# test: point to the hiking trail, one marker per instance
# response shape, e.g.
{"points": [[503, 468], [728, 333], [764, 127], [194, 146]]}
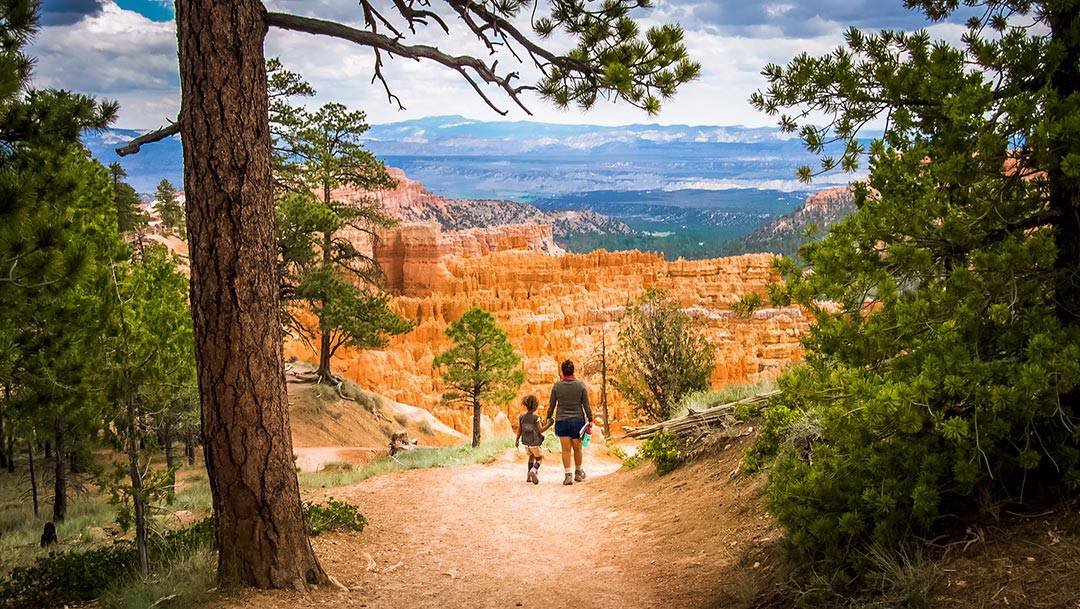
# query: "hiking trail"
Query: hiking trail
{"points": [[480, 536]]}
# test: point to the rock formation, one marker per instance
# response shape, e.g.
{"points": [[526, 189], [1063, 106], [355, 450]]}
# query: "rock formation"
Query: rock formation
{"points": [[554, 306], [410, 202], [788, 232]]}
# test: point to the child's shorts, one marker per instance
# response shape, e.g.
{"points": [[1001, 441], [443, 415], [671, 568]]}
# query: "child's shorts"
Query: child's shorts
{"points": [[533, 451]]}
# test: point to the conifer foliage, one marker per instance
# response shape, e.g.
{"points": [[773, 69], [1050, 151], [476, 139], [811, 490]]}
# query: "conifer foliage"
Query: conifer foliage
{"points": [[322, 271], [482, 366], [943, 369], [663, 355]]}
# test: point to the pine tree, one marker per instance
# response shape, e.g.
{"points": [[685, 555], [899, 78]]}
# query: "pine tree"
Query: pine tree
{"points": [[224, 123], [57, 234], [943, 374], [152, 365], [482, 367], [321, 271], [129, 218], [663, 355], [168, 207]]}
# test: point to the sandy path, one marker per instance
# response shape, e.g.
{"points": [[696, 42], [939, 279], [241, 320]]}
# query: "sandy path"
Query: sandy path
{"points": [[477, 537]]}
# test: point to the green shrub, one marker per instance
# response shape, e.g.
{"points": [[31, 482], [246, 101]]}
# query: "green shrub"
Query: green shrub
{"points": [[333, 516], [63, 578], [745, 306], [663, 450]]}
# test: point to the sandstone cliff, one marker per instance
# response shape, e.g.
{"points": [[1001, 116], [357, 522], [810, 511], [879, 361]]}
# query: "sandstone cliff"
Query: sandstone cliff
{"points": [[555, 307]]}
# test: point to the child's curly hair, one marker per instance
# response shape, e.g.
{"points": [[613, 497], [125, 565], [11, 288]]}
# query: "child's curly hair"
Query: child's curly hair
{"points": [[530, 403]]}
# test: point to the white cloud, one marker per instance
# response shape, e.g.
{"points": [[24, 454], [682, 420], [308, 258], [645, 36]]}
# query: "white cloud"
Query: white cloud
{"points": [[119, 54], [114, 54]]}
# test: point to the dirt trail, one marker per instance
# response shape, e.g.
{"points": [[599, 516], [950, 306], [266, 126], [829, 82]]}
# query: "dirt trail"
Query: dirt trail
{"points": [[480, 537]]}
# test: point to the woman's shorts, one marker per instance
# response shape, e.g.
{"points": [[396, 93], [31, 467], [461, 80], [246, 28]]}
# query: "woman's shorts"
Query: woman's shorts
{"points": [[570, 428]]}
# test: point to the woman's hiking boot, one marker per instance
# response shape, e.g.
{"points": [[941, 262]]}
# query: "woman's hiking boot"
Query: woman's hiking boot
{"points": [[568, 480], [579, 475]]}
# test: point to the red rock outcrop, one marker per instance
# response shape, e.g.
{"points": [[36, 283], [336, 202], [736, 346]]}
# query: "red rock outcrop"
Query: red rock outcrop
{"points": [[555, 307]]}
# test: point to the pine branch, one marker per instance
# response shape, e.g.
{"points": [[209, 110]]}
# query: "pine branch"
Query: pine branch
{"points": [[470, 68]]}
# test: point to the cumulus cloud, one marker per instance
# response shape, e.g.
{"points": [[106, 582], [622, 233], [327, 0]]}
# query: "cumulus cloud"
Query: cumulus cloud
{"points": [[113, 54], [800, 18], [98, 47], [66, 12]]}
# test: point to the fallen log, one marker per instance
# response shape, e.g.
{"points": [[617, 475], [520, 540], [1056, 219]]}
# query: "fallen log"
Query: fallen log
{"points": [[722, 415]]}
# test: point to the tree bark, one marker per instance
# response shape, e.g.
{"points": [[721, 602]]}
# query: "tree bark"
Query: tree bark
{"points": [[603, 383], [60, 475], [234, 297], [1065, 189], [33, 475], [3, 453], [137, 498], [475, 422], [323, 373], [189, 447]]}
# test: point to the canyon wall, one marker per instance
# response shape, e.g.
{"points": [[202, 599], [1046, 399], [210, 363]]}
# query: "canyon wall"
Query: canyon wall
{"points": [[555, 306]]}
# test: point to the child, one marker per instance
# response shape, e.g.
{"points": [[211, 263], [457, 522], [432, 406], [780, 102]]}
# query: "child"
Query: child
{"points": [[530, 429]]}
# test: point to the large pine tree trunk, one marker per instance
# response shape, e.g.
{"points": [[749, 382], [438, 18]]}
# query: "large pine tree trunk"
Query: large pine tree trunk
{"points": [[60, 473], [234, 296]]}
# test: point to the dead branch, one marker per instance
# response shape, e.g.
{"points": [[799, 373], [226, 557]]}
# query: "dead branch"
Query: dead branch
{"points": [[468, 67], [716, 416], [134, 145]]}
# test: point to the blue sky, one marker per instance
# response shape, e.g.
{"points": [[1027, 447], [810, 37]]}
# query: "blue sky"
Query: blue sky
{"points": [[154, 10], [126, 50]]}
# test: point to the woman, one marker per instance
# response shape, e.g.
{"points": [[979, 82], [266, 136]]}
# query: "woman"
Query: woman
{"points": [[570, 407]]}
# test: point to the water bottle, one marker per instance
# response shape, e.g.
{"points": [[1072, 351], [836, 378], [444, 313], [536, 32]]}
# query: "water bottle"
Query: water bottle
{"points": [[588, 435]]}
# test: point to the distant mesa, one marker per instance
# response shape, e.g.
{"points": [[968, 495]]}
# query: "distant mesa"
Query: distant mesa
{"points": [[788, 232], [411, 202]]}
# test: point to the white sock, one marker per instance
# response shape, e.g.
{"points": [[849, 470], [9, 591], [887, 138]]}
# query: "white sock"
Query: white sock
{"points": [[569, 471]]}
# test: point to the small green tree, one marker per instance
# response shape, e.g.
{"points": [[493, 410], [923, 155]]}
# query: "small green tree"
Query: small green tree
{"points": [[663, 355], [481, 367], [169, 208], [321, 269], [129, 218], [153, 376]]}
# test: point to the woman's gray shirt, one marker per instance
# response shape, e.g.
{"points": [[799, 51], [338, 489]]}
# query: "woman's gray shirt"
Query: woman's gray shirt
{"points": [[569, 399]]}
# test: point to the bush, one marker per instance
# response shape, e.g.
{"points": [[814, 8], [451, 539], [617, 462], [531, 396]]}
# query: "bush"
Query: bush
{"points": [[663, 450], [333, 516], [64, 578], [745, 306]]}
